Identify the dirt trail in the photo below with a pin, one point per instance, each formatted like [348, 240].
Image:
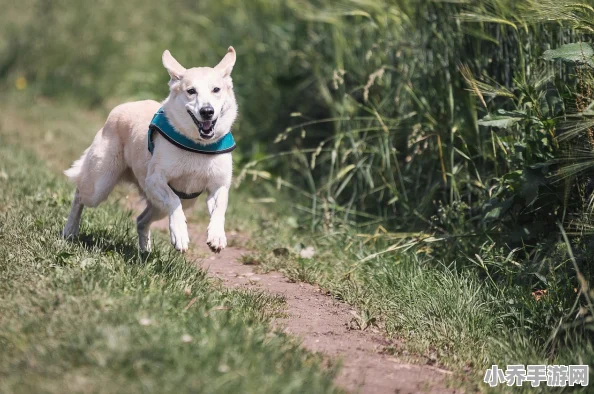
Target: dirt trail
[322, 323]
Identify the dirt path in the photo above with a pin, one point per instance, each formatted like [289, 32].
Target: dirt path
[323, 324]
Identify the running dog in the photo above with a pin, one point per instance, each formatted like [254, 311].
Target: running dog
[172, 151]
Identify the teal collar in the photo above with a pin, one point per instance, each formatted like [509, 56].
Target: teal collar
[161, 124]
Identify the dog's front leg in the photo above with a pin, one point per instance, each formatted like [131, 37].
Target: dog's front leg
[159, 192]
[217, 206]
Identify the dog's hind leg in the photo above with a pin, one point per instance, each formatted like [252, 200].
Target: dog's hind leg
[95, 175]
[143, 224]
[101, 166]
[73, 222]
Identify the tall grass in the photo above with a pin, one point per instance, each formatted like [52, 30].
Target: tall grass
[440, 127]
[445, 121]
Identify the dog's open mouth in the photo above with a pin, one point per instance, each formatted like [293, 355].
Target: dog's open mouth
[205, 128]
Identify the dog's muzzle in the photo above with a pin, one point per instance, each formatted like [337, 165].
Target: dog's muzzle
[205, 128]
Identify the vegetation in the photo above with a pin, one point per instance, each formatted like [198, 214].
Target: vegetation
[95, 317]
[436, 154]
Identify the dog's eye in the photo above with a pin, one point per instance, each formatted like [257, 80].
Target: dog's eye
[191, 91]
[216, 90]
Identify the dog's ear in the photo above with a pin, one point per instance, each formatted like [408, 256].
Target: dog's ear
[226, 65]
[176, 71]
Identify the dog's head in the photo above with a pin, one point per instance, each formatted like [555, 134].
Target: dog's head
[201, 103]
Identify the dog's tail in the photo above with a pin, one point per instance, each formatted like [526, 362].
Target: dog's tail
[74, 171]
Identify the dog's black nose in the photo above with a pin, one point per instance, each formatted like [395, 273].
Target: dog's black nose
[207, 112]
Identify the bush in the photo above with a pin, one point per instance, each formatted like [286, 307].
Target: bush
[449, 121]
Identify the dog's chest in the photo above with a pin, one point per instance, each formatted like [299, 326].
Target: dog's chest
[194, 172]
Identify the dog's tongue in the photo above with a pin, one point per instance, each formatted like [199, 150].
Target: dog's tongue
[206, 125]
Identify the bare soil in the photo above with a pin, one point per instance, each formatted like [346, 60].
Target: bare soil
[324, 324]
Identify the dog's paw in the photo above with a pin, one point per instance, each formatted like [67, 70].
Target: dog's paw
[179, 233]
[216, 240]
[69, 233]
[179, 237]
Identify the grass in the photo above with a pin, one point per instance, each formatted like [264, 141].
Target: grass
[433, 154]
[93, 316]
[451, 315]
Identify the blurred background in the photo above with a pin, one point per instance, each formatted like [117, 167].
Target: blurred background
[376, 100]
[452, 128]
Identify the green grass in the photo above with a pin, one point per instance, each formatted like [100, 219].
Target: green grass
[93, 316]
[449, 314]
[440, 126]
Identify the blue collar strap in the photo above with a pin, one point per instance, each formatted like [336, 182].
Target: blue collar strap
[161, 124]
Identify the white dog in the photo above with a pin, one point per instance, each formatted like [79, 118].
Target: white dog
[186, 152]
